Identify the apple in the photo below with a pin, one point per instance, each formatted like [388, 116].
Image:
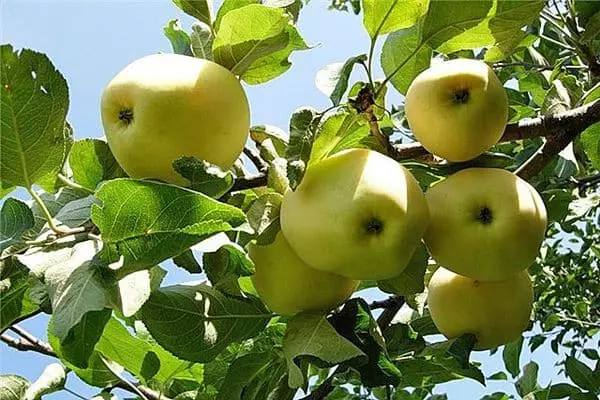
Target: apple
[486, 223]
[495, 312]
[457, 109]
[165, 106]
[287, 285]
[358, 213]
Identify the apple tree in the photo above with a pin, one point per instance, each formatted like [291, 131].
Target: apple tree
[91, 246]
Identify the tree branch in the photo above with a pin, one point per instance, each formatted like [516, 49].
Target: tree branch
[250, 182]
[31, 343]
[256, 159]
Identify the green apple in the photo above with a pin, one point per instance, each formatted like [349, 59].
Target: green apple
[287, 285]
[165, 106]
[358, 213]
[486, 223]
[495, 312]
[457, 109]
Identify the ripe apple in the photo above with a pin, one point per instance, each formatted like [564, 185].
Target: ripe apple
[287, 285]
[495, 312]
[486, 223]
[165, 106]
[457, 109]
[357, 213]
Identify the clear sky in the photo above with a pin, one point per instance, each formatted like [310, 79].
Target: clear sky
[89, 41]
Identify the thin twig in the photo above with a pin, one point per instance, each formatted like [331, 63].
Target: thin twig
[25, 345]
[256, 159]
[250, 182]
[32, 339]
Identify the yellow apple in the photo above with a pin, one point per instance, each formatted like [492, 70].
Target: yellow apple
[495, 312]
[287, 285]
[165, 106]
[457, 109]
[357, 213]
[486, 223]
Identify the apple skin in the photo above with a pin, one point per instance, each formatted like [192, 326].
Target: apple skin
[457, 109]
[486, 223]
[287, 285]
[165, 106]
[495, 312]
[358, 214]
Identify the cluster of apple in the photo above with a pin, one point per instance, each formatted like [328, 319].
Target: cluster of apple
[357, 215]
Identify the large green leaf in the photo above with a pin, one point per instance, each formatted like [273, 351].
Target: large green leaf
[15, 218]
[527, 383]
[79, 344]
[512, 357]
[581, 374]
[311, 335]
[272, 65]
[71, 279]
[502, 28]
[14, 292]
[148, 222]
[92, 162]
[249, 33]
[197, 322]
[385, 16]
[35, 99]
[407, 52]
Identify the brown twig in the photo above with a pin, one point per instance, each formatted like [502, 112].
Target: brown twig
[250, 182]
[31, 343]
[256, 159]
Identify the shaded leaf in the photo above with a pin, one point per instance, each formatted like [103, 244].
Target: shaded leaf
[527, 383]
[201, 41]
[204, 177]
[412, 279]
[581, 374]
[199, 9]
[13, 387]
[590, 140]
[92, 162]
[15, 219]
[51, 380]
[333, 79]
[511, 354]
[180, 40]
[15, 301]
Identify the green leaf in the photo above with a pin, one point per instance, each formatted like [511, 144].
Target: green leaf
[92, 162]
[204, 177]
[201, 41]
[511, 354]
[35, 99]
[534, 83]
[590, 140]
[385, 16]
[238, 43]
[13, 387]
[592, 29]
[15, 218]
[562, 390]
[229, 5]
[263, 216]
[71, 279]
[502, 28]
[187, 261]
[585, 9]
[408, 52]
[527, 383]
[338, 131]
[581, 374]
[302, 135]
[457, 349]
[199, 9]
[79, 344]
[148, 222]
[333, 79]
[310, 335]
[274, 64]
[224, 266]
[557, 99]
[355, 323]
[404, 51]
[132, 291]
[418, 372]
[147, 361]
[262, 133]
[216, 320]
[412, 279]
[77, 212]
[253, 377]
[51, 380]
[557, 203]
[14, 292]
[401, 340]
[180, 40]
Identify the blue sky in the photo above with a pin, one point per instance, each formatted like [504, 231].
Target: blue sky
[89, 41]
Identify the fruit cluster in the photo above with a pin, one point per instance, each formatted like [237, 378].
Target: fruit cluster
[357, 215]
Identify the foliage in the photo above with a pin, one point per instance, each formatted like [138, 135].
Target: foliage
[87, 248]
